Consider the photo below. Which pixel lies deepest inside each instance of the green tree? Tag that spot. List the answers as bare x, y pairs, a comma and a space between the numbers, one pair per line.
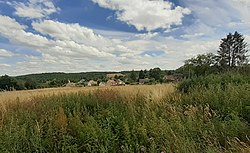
202, 64
133, 75
208, 59
232, 51
240, 50
8, 83
142, 74
30, 84
146, 73
155, 73
20, 85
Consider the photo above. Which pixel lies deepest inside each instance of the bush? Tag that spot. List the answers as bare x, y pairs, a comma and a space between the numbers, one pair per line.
213, 80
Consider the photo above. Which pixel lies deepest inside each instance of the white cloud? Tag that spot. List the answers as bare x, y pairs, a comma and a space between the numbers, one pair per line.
11, 29
4, 65
83, 50
5, 53
69, 32
8, 23
192, 36
220, 14
67, 46
147, 35
146, 14
34, 9
247, 38
213, 19
81, 47
201, 48
78, 36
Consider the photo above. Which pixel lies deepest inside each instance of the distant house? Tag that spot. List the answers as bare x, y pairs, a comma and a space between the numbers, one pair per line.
172, 78
120, 83
102, 84
111, 83
143, 81
81, 83
112, 76
92, 83
70, 84
115, 83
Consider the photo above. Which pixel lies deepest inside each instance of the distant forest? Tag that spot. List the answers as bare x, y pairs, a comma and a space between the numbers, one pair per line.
58, 79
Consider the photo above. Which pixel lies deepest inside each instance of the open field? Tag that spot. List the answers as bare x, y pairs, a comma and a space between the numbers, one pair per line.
154, 118
27, 95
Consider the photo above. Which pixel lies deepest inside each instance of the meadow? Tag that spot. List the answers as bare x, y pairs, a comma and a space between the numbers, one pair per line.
156, 118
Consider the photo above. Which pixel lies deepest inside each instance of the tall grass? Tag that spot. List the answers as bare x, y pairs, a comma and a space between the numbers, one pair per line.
120, 120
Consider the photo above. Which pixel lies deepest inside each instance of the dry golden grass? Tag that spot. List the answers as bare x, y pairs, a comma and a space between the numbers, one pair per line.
156, 92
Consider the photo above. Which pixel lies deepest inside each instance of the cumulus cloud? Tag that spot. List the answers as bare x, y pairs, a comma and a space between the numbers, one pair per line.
9, 23
79, 36
146, 14
5, 53
69, 32
68, 46
77, 48
4, 65
34, 9
16, 33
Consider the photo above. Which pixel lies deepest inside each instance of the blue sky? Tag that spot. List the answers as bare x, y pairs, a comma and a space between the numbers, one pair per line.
113, 35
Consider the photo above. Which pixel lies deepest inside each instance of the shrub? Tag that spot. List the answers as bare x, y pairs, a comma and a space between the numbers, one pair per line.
213, 80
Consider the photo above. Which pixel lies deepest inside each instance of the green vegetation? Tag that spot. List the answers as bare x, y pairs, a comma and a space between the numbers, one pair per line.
232, 51
48, 80
231, 56
214, 119
214, 80
51, 80
9, 83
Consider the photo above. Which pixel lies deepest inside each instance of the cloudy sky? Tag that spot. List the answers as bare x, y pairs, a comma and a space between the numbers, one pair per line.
113, 35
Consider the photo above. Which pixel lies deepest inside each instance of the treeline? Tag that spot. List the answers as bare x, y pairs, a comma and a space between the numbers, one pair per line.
231, 56
154, 75
8, 83
74, 77
49, 80
45, 80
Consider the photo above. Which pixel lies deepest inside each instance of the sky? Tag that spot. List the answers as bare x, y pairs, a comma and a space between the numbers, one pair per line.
38, 36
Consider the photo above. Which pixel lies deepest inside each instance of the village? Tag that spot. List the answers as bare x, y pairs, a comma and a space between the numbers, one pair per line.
119, 79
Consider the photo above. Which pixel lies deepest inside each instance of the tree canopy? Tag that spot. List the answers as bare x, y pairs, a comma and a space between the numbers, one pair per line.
232, 54
232, 51
8, 83
155, 73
